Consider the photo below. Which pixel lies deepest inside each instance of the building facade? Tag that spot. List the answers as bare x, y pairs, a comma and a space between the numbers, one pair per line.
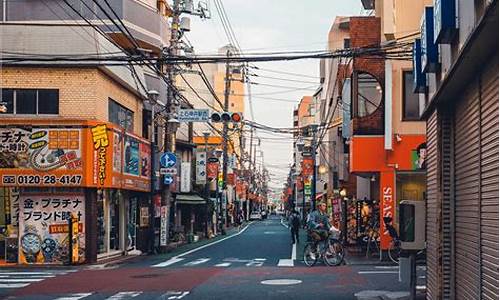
456, 67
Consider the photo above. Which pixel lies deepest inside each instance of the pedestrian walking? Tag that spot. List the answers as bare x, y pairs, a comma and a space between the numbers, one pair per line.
294, 223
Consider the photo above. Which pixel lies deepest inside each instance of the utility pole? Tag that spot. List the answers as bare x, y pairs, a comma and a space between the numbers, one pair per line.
207, 190
170, 128
250, 170
225, 138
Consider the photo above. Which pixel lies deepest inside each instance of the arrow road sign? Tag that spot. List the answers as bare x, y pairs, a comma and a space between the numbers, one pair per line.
168, 160
168, 179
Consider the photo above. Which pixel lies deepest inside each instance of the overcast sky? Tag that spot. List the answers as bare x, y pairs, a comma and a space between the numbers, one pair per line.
277, 25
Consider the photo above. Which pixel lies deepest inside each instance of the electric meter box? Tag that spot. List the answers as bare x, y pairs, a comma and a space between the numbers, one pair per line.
412, 224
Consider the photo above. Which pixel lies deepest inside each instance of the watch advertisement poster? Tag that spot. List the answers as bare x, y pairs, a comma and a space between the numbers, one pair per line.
44, 228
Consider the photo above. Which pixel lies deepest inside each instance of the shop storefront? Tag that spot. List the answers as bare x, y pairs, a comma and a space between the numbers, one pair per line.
399, 174
87, 170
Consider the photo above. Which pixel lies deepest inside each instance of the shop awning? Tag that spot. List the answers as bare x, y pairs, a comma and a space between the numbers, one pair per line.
191, 199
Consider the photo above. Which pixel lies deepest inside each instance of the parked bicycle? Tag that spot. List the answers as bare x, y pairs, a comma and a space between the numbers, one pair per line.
330, 250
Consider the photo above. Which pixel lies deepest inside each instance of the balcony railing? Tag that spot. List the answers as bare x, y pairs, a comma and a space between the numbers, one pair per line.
145, 23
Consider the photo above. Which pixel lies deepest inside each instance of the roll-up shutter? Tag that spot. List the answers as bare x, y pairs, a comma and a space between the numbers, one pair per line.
467, 193
432, 220
489, 182
447, 217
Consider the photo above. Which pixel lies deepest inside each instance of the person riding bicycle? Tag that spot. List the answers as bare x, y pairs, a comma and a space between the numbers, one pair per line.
319, 224
392, 231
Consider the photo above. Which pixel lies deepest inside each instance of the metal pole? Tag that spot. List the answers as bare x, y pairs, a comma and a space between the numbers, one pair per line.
313, 183
225, 135
413, 276
207, 191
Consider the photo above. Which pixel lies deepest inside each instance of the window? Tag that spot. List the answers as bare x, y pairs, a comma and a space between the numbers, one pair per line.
120, 115
30, 101
347, 43
369, 94
410, 99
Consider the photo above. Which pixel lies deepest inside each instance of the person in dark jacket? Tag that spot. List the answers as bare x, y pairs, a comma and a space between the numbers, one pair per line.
294, 223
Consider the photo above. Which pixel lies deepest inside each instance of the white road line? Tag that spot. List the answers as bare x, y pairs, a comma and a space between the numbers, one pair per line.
236, 260
180, 296
386, 267
28, 273
281, 222
294, 251
21, 280
421, 287
169, 262
421, 277
223, 265
254, 263
13, 285
285, 263
163, 264
378, 272
34, 276
199, 261
124, 295
260, 259
76, 296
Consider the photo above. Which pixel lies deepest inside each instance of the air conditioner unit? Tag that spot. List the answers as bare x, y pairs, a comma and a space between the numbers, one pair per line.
185, 24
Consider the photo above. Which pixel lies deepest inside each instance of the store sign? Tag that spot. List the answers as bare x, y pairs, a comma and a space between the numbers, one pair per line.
212, 169
418, 157
387, 191
163, 226
201, 167
307, 166
44, 228
101, 143
307, 187
41, 150
185, 177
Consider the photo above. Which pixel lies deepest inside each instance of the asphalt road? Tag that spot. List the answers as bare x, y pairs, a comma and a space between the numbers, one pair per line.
255, 263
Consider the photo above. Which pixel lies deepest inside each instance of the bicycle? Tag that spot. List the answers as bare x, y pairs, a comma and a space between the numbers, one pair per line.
330, 250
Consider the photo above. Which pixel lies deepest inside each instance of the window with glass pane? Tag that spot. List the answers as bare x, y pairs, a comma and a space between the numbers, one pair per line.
7, 97
48, 102
120, 115
26, 102
410, 99
369, 94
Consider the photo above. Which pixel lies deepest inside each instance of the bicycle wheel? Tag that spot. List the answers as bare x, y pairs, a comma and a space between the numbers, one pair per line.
310, 257
334, 253
394, 251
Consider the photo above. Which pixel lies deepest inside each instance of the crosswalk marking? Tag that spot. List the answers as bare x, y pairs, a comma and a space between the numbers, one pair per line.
169, 262
285, 263
13, 285
76, 296
124, 295
223, 265
199, 261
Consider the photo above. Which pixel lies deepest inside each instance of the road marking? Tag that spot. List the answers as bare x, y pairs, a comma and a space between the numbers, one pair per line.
256, 263
421, 277
37, 276
378, 272
285, 263
12, 285
28, 273
236, 260
179, 296
21, 280
294, 251
199, 261
163, 264
421, 287
281, 222
76, 296
169, 262
260, 259
223, 265
386, 267
281, 281
124, 295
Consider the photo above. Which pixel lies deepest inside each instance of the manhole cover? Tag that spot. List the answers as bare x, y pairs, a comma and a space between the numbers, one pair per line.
146, 276
281, 281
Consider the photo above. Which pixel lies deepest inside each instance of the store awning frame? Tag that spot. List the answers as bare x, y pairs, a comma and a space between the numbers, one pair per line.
189, 199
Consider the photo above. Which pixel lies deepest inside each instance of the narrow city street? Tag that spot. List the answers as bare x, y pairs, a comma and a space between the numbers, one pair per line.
255, 263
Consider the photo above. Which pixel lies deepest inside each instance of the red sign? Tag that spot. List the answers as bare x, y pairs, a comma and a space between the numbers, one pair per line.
387, 199
307, 166
212, 169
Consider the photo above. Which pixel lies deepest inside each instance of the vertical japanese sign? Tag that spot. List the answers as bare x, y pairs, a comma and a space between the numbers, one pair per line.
145, 152
185, 177
307, 166
201, 167
163, 226
44, 228
131, 159
387, 193
101, 143
117, 152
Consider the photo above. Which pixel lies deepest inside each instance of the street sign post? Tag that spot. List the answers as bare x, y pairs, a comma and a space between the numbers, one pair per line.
168, 171
168, 179
163, 226
193, 115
